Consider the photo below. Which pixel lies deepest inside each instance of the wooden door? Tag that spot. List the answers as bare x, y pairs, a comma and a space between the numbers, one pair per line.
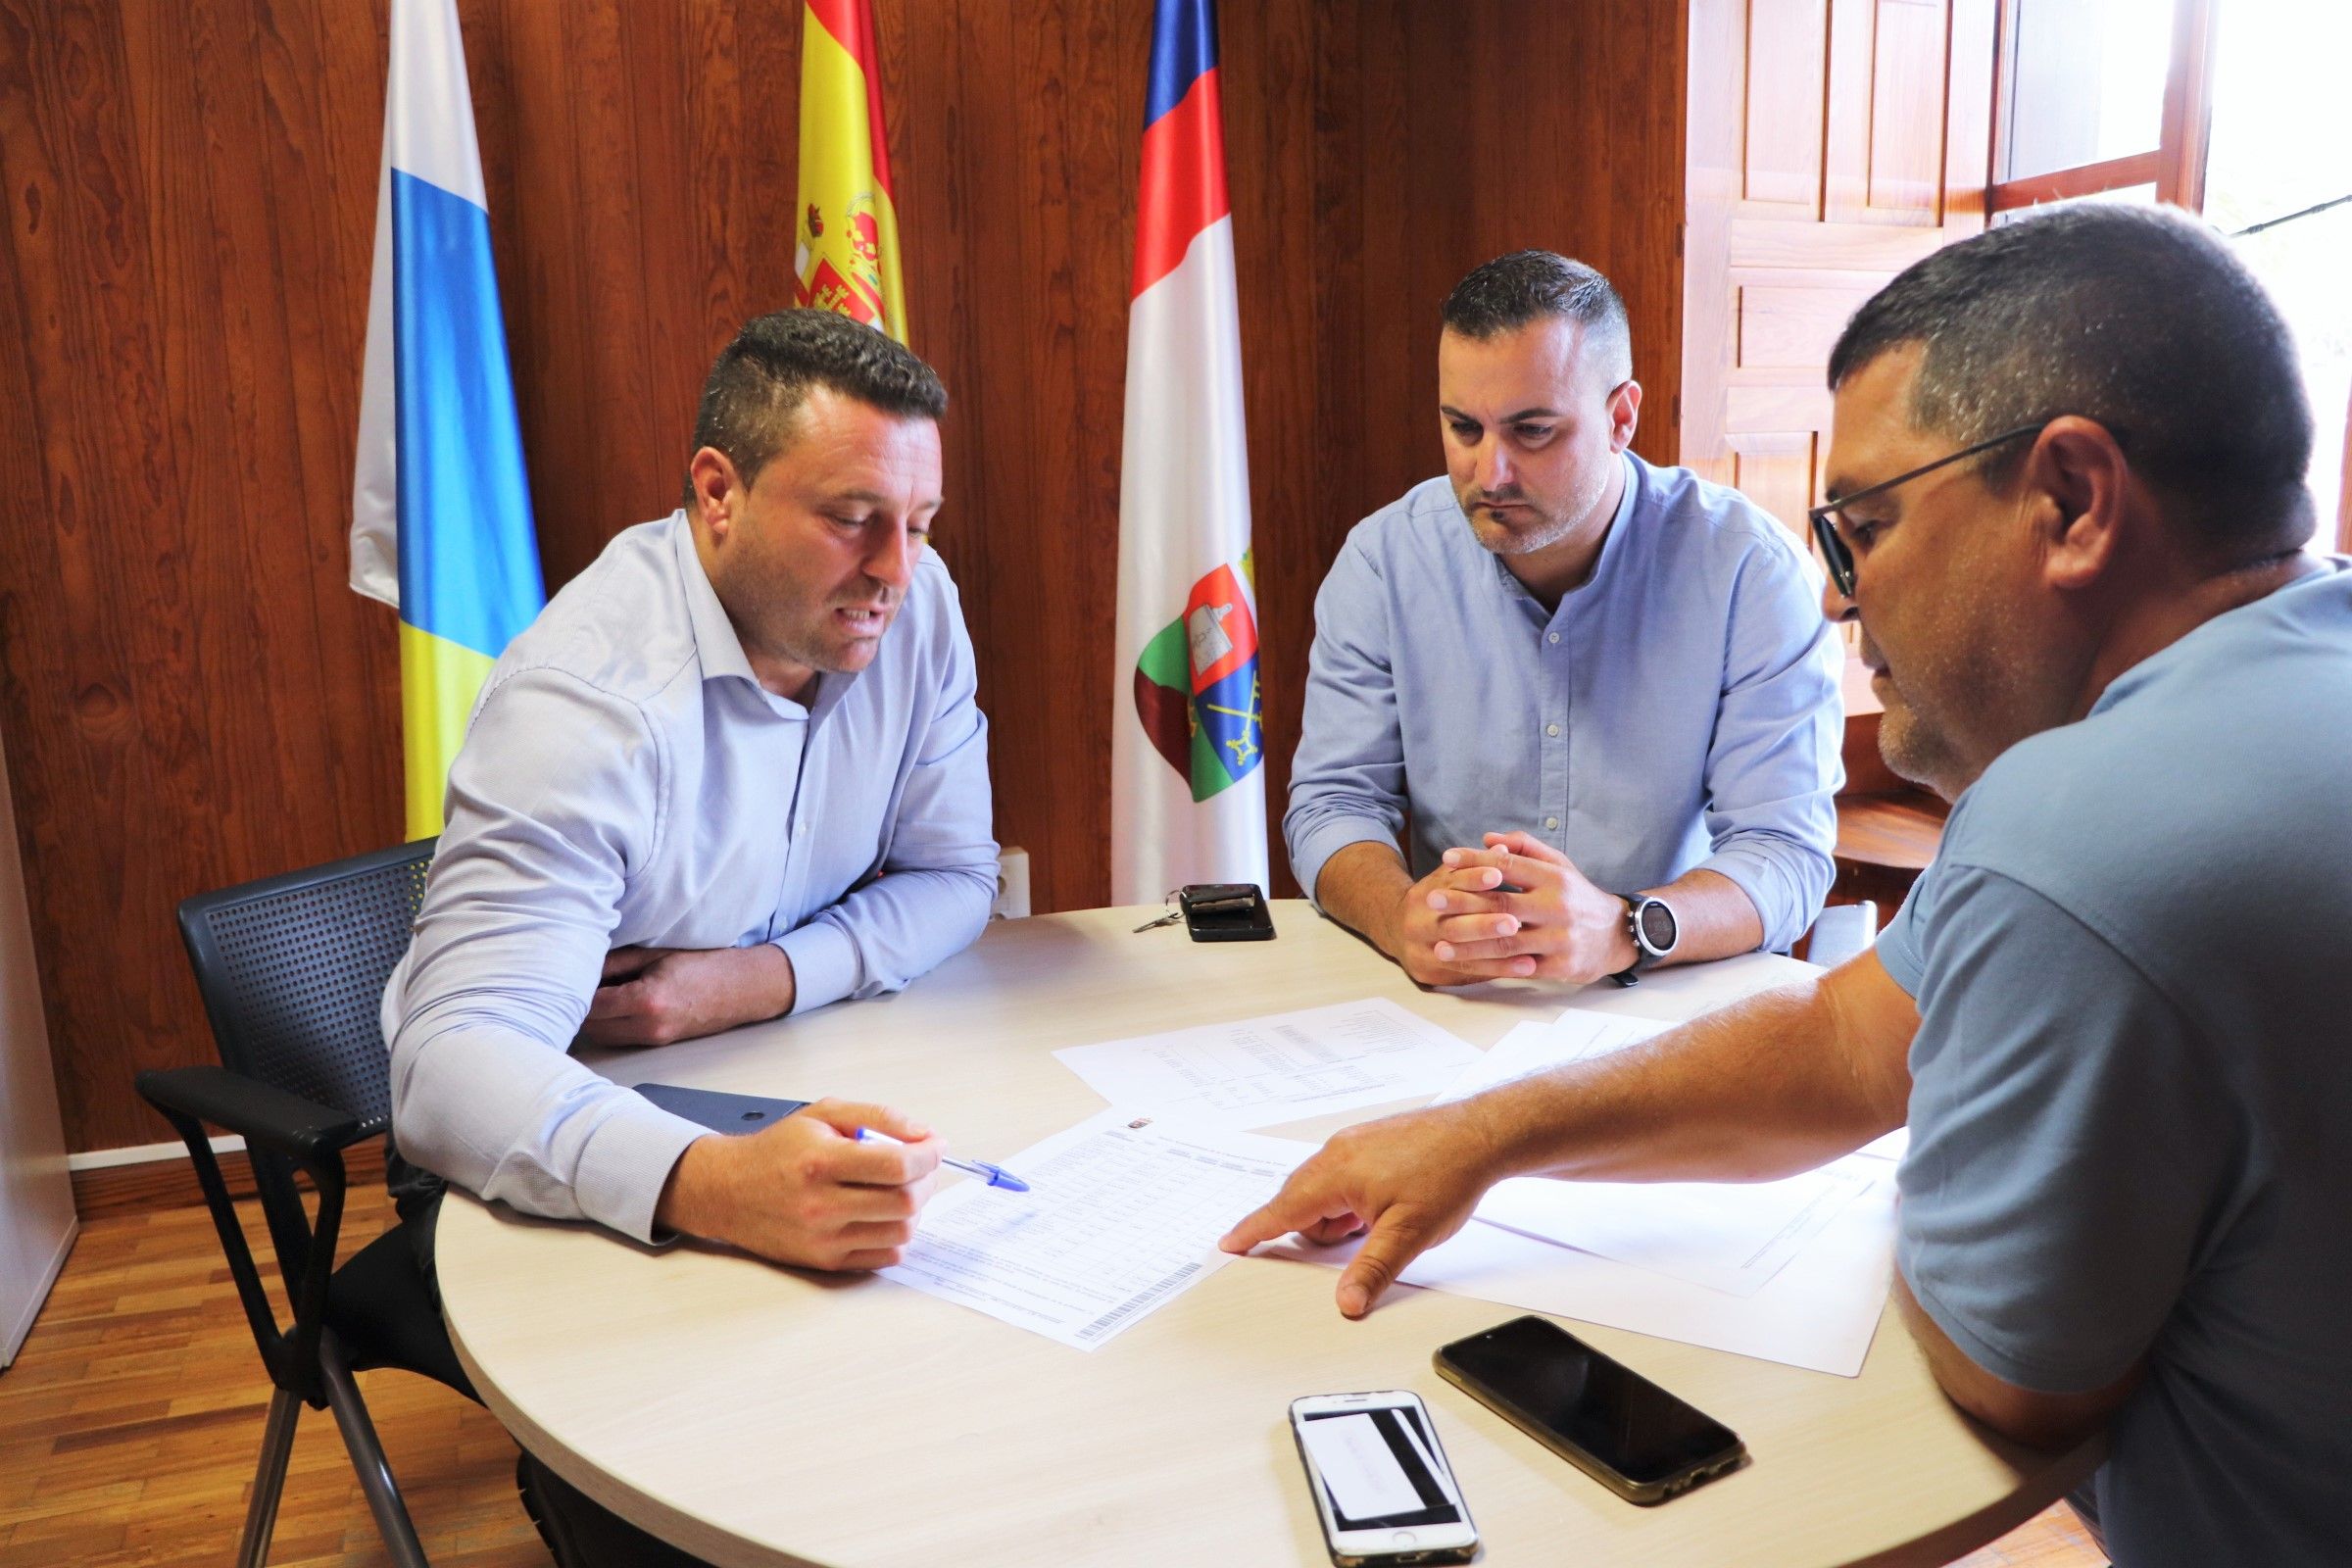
1832, 143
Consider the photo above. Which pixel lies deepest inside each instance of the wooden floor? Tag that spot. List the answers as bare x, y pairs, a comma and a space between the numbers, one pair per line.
131, 1421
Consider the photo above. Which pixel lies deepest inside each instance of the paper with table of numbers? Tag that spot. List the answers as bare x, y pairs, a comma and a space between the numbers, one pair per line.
1261, 1072
1123, 1215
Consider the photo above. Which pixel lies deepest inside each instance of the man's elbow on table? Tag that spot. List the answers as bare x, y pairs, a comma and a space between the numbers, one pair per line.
2035, 1419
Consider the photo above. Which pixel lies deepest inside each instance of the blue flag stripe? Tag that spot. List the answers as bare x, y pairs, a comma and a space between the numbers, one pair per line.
469, 570
1184, 45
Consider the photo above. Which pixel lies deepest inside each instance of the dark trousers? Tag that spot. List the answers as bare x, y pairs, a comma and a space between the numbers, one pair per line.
578, 1530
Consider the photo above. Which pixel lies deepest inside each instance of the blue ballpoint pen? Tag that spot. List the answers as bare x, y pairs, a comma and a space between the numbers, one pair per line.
993, 1175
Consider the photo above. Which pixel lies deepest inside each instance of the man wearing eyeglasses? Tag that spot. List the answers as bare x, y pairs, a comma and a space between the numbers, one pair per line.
1593, 696
2070, 510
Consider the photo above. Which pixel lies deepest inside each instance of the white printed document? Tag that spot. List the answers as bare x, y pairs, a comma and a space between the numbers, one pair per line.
1122, 1215
1261, 1072
1729, 1236
1818, 1313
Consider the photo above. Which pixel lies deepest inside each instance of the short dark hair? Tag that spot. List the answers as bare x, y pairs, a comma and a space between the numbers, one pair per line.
1509, 292
760, 379
2139, 317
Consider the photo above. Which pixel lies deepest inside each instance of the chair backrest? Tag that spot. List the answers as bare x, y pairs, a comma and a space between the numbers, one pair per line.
293, 970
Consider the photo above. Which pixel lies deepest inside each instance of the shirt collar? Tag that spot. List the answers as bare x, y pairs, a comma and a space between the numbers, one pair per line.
715, 636
719, 647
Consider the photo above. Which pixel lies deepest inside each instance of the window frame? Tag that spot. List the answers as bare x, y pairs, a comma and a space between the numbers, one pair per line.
2176, 166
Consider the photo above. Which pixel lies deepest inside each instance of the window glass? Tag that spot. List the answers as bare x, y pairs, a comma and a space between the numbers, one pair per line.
2280, 151
2087, 82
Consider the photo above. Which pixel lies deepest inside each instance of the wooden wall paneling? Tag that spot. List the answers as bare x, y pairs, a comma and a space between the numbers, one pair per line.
1271, 76
190, 692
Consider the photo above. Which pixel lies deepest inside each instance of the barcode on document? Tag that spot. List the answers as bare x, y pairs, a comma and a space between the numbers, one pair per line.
1128, 1308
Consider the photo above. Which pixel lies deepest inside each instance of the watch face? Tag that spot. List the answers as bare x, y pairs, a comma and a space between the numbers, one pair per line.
1657, 925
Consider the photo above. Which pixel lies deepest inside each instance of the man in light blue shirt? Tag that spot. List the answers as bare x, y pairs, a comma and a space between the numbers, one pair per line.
734, 770
1558, 668
2069, 504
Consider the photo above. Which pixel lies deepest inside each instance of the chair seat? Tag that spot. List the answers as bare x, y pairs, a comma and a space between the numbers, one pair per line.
379, 1306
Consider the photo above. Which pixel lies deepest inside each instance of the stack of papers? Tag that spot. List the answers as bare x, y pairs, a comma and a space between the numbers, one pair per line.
1261, 1072
1730, 1236
1122, 1216
1794, 1271
1126, 1208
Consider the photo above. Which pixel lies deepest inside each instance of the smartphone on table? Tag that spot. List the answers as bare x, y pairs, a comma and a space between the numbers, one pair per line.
1601, 1416
1226, 911
1381, 1484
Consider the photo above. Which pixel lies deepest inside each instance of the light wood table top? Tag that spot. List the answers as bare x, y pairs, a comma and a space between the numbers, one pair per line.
758, 1415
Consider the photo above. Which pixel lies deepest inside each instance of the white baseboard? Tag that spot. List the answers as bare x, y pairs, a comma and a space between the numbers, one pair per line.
146, 1154
13, 1340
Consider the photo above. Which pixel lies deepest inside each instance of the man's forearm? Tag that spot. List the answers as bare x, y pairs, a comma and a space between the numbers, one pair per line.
1361, 886
1713, 916
1762, 1089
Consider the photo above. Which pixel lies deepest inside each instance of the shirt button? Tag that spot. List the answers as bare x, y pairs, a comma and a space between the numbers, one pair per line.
1551, 729
1551, 637
1551, 822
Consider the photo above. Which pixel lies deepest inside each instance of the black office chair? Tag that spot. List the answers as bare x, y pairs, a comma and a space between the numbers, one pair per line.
292, 970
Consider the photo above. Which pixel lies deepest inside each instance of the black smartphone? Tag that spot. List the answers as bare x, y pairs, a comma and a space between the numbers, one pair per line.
720, 1112
1601, 1416
1226, 911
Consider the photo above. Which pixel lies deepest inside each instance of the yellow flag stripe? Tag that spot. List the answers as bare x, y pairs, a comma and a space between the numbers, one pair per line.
438, 682
837, 181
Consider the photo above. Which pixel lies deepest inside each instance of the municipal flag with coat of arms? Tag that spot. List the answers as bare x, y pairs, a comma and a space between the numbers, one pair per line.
1188, 792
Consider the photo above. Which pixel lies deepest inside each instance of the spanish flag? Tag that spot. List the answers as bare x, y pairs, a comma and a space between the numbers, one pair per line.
441, 507
848, 257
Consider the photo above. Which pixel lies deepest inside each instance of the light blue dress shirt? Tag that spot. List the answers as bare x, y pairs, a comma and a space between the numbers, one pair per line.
626, 781
1679, 711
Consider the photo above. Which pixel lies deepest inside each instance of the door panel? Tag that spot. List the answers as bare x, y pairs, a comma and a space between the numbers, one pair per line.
1831, 144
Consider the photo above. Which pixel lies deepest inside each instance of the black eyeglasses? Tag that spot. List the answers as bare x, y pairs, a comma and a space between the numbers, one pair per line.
1828, 525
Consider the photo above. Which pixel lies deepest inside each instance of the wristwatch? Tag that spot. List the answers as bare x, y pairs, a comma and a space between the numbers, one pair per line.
1655, 930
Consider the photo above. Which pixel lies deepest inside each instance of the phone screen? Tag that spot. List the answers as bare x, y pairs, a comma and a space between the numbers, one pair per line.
1377, 1468
1590, 1401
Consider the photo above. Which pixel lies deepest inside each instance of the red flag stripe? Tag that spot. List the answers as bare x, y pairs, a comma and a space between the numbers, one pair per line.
1183, 189
852, 25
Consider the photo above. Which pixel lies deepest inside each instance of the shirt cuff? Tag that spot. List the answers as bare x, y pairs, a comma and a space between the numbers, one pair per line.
1765, 883
824, 965
1319, 843
626, 1162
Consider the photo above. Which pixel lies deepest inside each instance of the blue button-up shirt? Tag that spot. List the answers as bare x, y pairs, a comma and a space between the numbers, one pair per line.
626, 781
1680, 710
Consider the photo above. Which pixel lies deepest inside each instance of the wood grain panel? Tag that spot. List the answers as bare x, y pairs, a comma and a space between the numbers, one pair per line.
1792, 327
1787, 50
1906, 107
1775, 470
193, 698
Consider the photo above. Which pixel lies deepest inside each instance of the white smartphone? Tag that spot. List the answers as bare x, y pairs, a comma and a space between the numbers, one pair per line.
1381, 1483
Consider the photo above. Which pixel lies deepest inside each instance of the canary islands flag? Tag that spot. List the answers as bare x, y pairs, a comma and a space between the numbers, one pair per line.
441, 509
848, 256
1188, 796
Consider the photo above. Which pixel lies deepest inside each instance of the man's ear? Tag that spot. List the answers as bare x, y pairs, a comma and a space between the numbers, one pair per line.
1624, 413
714, 488
2079, 486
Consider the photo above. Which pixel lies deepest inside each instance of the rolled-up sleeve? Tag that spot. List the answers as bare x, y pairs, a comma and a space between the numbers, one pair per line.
939, 876
1348, 781
1774, 769
552, 802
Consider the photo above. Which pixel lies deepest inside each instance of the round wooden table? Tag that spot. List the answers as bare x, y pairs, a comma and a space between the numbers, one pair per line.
758, 1415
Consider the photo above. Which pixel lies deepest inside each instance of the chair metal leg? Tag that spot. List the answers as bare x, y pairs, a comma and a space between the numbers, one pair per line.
367, 1456
269, 1478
